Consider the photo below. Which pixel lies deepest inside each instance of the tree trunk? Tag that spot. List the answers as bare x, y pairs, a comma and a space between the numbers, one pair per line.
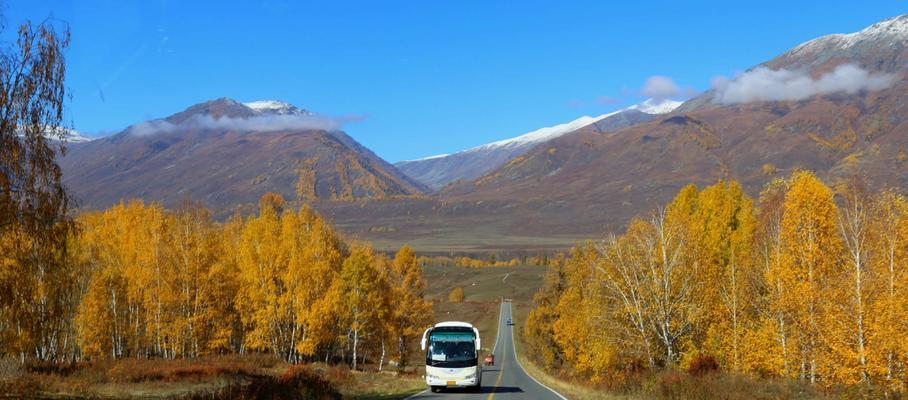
381, 360
401, 352
355, 343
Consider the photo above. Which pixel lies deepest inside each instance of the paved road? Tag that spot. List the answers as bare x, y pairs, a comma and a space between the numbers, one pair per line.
506, 380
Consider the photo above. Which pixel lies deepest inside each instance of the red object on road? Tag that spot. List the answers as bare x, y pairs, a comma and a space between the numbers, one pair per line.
490, 359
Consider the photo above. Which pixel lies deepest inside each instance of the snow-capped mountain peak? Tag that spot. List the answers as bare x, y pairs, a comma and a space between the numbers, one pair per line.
69, 135
73, 136
650, 106
542, 134
276, 107
653, 106
890, 30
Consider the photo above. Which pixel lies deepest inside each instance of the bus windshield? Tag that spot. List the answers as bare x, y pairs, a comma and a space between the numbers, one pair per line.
451, 349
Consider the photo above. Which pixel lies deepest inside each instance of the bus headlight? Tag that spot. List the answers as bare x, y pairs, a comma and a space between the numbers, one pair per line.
471, 376
433, 377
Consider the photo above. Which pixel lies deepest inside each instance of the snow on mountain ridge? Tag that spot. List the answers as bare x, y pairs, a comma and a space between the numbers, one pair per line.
650, 106
428, 158
276, 107
74, 136
543, 134
69, 135
890, 29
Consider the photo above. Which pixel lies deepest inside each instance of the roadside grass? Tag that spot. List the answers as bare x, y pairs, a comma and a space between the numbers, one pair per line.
382, 385
221, 377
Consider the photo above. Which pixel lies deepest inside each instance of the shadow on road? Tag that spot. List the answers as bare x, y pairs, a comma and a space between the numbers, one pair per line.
485, 389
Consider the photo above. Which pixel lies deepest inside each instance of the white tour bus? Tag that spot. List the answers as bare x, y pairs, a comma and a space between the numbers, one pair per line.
452, 356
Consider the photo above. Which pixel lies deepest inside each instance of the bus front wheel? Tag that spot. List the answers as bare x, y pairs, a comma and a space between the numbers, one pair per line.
435, 389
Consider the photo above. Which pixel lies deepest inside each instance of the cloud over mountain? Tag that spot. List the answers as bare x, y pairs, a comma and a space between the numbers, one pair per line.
262, 123
660, 87
764, 84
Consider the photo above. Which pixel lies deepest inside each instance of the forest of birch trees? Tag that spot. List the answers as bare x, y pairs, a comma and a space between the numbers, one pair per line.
138, 280
807, 282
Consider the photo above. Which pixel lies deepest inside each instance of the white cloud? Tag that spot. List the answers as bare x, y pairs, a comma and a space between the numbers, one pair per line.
660, 87
264, 123
764, 84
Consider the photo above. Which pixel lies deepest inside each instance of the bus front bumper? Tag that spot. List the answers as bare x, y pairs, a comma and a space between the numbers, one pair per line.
453, 380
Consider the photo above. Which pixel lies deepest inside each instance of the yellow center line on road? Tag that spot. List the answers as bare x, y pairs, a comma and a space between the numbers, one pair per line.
498, 381
500, 367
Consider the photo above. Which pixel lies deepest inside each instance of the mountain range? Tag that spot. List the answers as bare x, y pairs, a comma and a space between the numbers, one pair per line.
837, 105
441, 170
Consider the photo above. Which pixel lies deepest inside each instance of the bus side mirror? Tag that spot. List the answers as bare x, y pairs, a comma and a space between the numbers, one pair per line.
422, 343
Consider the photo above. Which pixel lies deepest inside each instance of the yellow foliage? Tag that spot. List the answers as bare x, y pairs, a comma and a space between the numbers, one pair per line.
142, 281
456, 295
797, 287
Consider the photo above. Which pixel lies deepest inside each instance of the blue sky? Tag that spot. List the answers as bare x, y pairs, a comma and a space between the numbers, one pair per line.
429, 76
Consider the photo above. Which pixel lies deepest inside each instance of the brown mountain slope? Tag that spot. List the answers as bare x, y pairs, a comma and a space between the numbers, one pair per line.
836, 136
605, 179
466, 165
582, 185
228, 162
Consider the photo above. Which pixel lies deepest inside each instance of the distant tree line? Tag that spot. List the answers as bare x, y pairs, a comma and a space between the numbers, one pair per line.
810, 282
491, 260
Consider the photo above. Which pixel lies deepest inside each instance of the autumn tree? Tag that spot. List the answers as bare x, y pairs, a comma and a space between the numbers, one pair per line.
35, 281
775, 322
538, 332
411, 312
220, 320
124, 248
362, 303
456, 295
851, 346
889, 238
263, 296
315, 253
722, 230
586, 328
810, 255
32, 94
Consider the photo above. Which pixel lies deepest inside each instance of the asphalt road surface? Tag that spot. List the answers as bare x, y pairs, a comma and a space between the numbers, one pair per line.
506, 380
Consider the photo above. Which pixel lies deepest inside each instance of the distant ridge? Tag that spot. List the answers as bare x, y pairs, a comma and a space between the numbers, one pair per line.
440, 170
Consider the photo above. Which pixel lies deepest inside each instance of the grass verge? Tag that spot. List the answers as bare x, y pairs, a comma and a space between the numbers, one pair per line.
222, 377
678, 385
